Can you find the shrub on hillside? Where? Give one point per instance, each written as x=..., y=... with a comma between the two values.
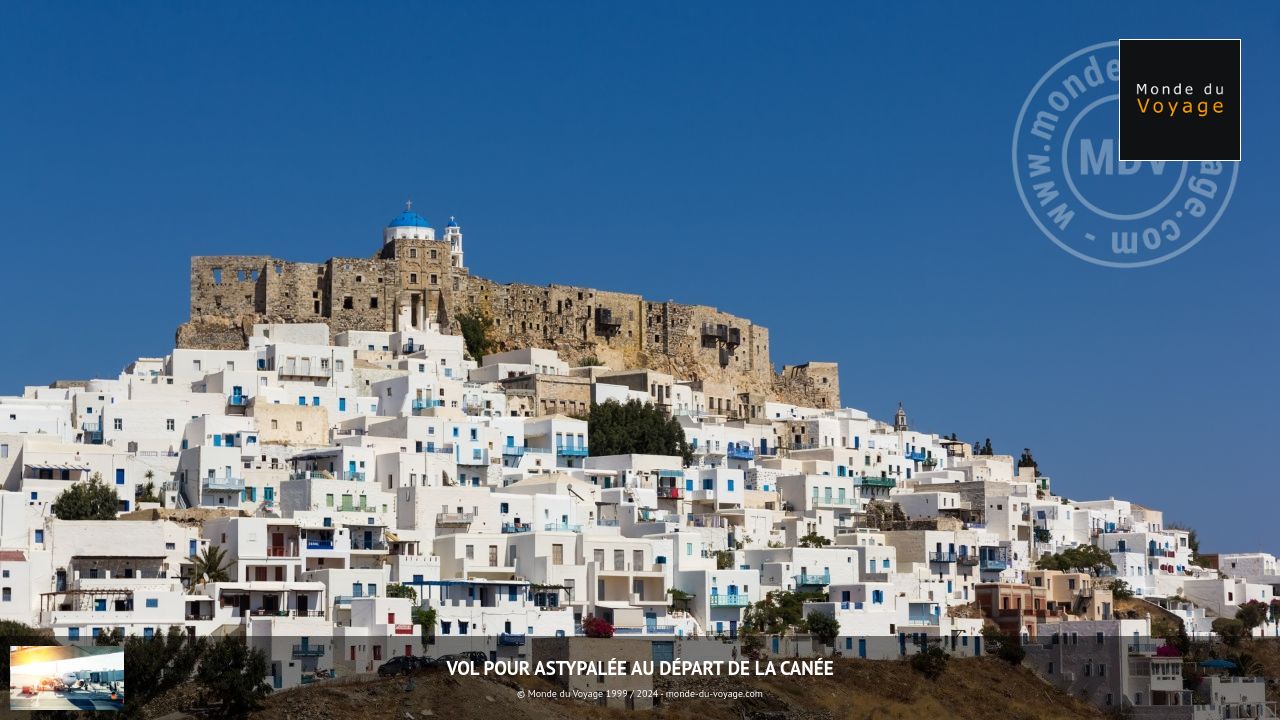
x=930, y=662
x=1006, y=647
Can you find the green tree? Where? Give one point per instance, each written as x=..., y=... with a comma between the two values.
x=1028, y=460
x=779, y=611
x=395, y=590
x=1120, y=590
x=824, y=626
x=724, y=559
x=1004, y=646
x=752, y=645
x=235, y=676
x=1231, y=631
x=635, y=428
x=426, y=618
x=209, y=566
x=146, y=493
x=1084, y=558
x=475, y=333
x=1252, y=614
x=158, y=664
x=1248, y=665
x=814, y=540
x=91, y=500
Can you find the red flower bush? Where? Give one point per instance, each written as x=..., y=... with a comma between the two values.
x=595, y=627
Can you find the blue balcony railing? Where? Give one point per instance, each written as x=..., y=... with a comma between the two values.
x=879, y=482
x=917, y=456
x=567, y=451
x=425, y=403
x=994, y=565
x=308, y=650
x=563, y=527
x=942, y=557
x=808, y=579
x=511, y=639
x=513, y=451
x=516, y=527
x=741, y=453
x=223, y=483
x=93, y=433
x=735, y=600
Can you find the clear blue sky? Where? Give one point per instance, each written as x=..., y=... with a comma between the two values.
x=859, y=157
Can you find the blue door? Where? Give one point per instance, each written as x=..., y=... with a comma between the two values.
x=664, y=652
x=862, y=647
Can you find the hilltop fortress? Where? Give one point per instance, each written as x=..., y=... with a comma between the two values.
x=416, y=270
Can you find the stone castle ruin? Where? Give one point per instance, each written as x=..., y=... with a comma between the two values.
x=415, y=270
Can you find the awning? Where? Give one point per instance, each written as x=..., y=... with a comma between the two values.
x=57, y=466
x=315, y=454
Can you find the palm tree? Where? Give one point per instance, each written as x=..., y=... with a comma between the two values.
x=1248, y=666
x=209, y=566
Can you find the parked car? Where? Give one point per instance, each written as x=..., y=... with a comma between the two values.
x=426, y=661
x=475, y=656
x=401, y=665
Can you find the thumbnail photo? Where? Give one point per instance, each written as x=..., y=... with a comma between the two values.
x=66, y=677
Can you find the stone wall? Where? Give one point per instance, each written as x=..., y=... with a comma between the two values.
x=622, y=330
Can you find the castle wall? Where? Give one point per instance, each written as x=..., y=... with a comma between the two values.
x=621, y=330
